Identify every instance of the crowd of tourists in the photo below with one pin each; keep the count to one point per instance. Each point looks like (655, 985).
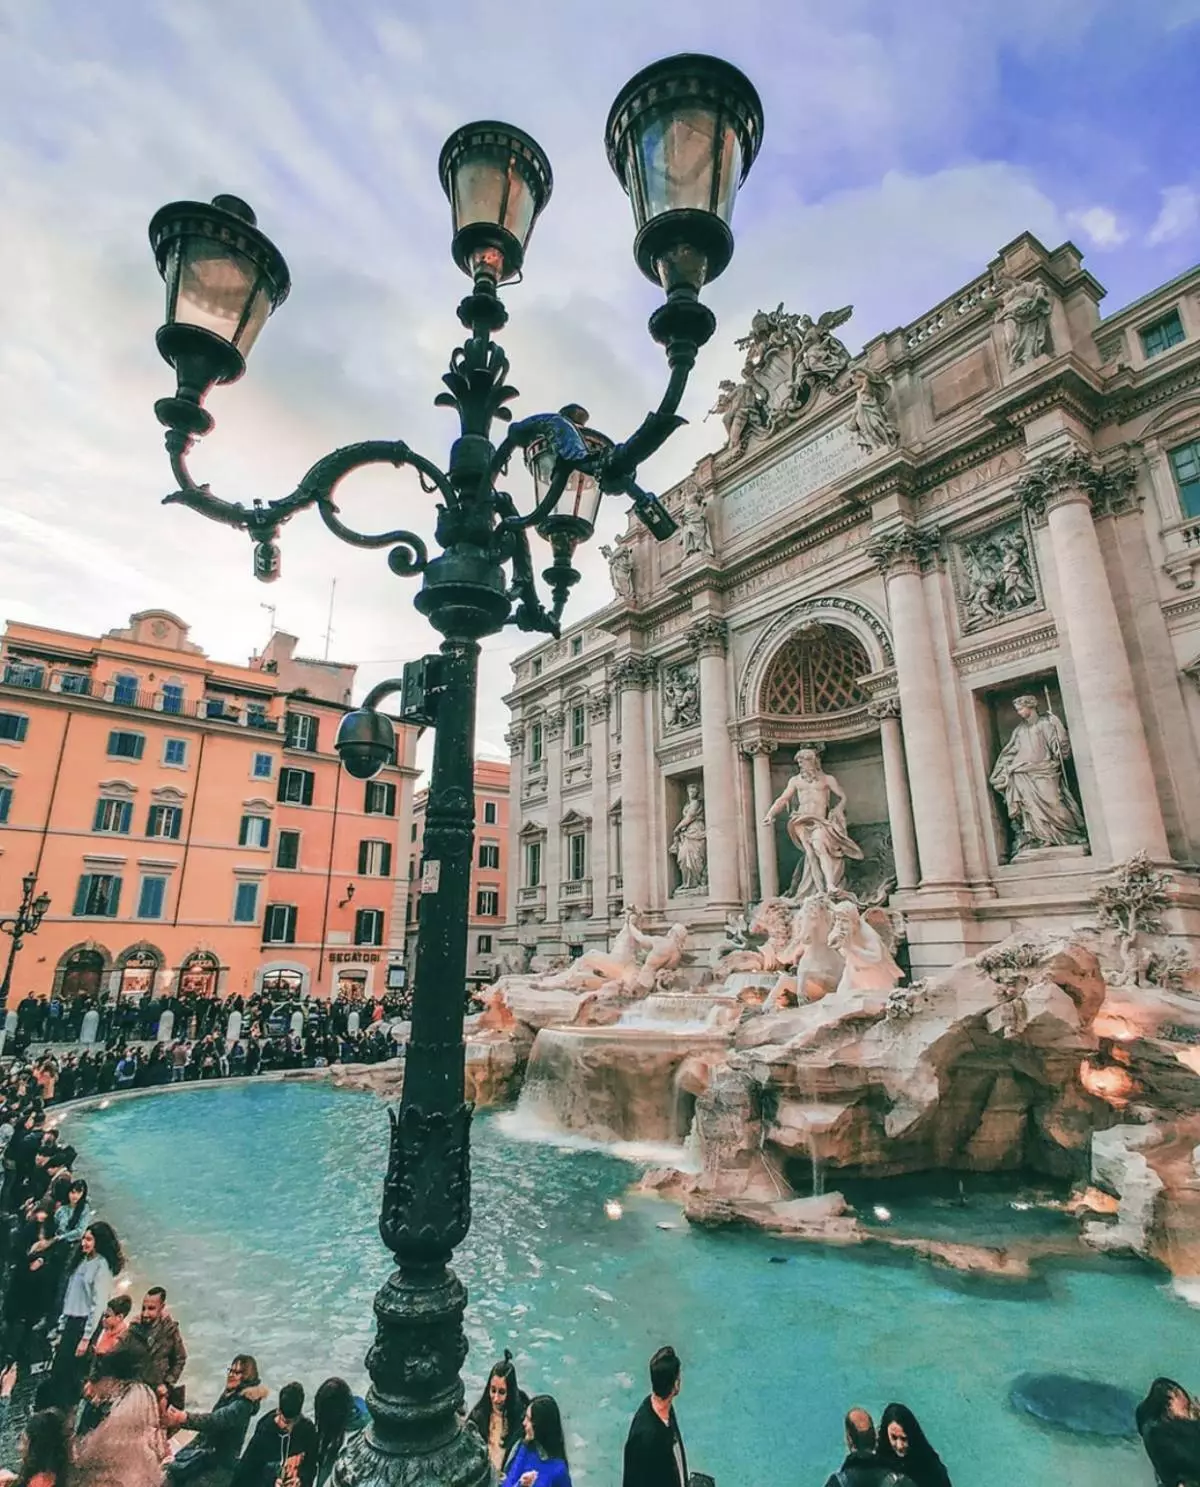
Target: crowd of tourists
(195, 1017)
(101, 1393)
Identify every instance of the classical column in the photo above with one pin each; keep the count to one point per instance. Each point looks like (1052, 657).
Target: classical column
(598, 709)
(900, 554)
(708, 639)
(895, 782)
(764, 830)
(632, 675)
(515, 739)
(1065, 488)
(553, 734)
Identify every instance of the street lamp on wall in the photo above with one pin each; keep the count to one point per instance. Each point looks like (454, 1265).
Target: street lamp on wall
(681, 137)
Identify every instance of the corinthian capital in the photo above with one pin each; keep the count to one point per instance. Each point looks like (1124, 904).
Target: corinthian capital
(515, 738)
(598, 705)
(709, 637)
(554, 723)
(634, 671)
(905, 548)
(1110, 490)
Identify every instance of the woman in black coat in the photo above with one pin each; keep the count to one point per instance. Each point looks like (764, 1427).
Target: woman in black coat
(209, 1459)
(1170, 1432)
(904, 1449)
(499, 1417)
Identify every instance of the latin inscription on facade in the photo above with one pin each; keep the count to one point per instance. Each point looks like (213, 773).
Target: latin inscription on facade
(816, 464)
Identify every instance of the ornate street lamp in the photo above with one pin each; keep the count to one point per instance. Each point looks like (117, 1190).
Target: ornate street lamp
(681, 138)
(29, 918)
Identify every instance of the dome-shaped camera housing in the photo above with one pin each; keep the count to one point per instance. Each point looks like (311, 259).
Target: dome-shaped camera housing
(365, 742)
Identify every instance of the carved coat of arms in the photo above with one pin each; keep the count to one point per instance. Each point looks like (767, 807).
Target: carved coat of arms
(786, 357)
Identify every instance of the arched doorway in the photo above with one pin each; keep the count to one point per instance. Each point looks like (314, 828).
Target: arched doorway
(137, 967)
(199, 974)
(283, 984)
(81, 974)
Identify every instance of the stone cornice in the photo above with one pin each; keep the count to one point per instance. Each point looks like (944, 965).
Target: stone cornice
(709, 636)
(905, 549)
(634, 671)
(1037, 640)
(1127, 401)
(966, 456)
(1068, 384)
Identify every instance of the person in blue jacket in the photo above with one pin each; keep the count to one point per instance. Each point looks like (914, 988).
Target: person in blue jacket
(541, 1458)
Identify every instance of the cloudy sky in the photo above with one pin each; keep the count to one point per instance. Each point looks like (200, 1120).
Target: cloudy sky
(906, 141)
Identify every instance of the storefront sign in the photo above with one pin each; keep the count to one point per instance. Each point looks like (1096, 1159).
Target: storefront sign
(359, 957)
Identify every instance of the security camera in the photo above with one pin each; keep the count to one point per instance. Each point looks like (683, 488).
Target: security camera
(365, 742)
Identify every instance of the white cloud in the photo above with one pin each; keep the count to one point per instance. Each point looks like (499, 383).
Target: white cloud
(1178, 214)
(330, 125)
(1100, 225)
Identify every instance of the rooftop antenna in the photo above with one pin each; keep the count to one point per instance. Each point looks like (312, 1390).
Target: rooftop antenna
(329, 621)
(270, 608)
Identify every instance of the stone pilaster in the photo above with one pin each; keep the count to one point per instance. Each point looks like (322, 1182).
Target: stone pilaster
(708, 638)
(631, 676)
(598, 708)
(553, 734)
(886, 710)
(901, 552)
(1066, 490)
(515, 739)
(764, 831)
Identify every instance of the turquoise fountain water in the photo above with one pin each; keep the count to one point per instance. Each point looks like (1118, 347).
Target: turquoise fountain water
(255, 1204)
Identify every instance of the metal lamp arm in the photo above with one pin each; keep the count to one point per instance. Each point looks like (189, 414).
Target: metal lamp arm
(262, 521)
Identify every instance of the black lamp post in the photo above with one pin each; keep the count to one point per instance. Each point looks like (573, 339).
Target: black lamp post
(29, 918)
(681, 138)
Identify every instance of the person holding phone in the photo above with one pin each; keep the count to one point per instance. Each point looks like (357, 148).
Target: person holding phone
(540, 1460)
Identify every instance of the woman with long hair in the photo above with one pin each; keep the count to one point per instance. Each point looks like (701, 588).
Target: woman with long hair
(95, 1268)
(338, 1413)
(540, 1460)
(45, 1451)
(499, 1416)
(1167, 1423)
(904, 1449)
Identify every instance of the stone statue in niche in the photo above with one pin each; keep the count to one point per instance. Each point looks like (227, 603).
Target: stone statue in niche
(681, 697)
(689, 843)
(1025, 314)
(1030, 775)
(998, 576)
(816, 806)
(871, 423)
(693, 519)
(620, 569)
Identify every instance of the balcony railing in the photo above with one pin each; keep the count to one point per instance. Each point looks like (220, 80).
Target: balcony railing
(78, 684)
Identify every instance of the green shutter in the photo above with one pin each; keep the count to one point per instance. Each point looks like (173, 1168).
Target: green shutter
(308, 787)
(81, 894)
(386, 869)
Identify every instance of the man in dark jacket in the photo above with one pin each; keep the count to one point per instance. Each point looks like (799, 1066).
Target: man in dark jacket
(860, 1468)
(654, 1454)
(159, 1332)
(283, 1447)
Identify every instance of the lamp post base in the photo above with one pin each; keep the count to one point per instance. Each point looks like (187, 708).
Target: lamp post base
(460, 1462)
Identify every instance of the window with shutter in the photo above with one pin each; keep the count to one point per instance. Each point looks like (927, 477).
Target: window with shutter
(255, 832)
(125, 745)
(245, 903)
(98, 896)
(374, 859)
(13, 727)
(295, 786)
(279, 924)
(287, 849)
(151, 898)
(113, 815)
(300, 731)
(164, 821)
(368, 927)
(380, 798)
(5, 802)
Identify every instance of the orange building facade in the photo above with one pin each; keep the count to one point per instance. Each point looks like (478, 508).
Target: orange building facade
(489, 868)
(190, 820)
